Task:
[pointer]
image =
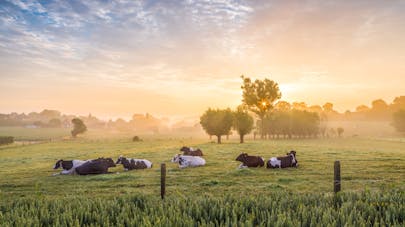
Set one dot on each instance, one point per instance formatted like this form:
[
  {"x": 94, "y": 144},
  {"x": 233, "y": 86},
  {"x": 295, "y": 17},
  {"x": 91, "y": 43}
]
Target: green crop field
[{"x": 368, "y": 166}]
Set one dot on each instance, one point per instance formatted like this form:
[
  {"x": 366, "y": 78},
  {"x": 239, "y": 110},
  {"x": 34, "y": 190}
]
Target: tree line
[
  {"x": 282, "y": 119},
  {"x": 143, "y": 123}
]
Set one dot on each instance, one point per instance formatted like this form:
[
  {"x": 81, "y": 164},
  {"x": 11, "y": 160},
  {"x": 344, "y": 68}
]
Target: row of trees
[
  {"x": 287, "y": 124},
  {"x": 399, "y": 120},
  {"x": 379, "y": 110},
  {"x": 293, "y": 123},
  {"x": 218, "y": 122},
  {"x": 259, "y": 98},
  {"x": 284, "y": 119}
]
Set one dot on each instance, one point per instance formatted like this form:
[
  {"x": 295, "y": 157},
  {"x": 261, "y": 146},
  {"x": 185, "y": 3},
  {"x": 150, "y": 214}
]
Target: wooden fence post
[
  {"x": 336, "y": 181},
  {"x": 162, "y": 180}
]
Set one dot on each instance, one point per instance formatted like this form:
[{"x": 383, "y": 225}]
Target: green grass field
[
  {"x": 376, "y": 165},
  {"x": 365, "y": 163}
]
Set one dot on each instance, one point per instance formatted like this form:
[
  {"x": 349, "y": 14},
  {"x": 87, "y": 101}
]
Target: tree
[
  {"x": 49, "y": 114},
  {"x": 282, "y": 106},
  {"x": 379, "y": 110},
  {"x": 399, "y": 120},
  {"x": 315, "y": 108},
  {"x": 78, "y": 127},
  {"x": 243, "y": 123},
  {"x": 299, "y": 106},
  {"x": 217, "y": 122},
  {"x": 328, "y": 107},
  {"x": 362, "y": 109},
  {"x": 259, "y": 97},
  {"x": 340, "y": 131},
  {"x": 398, "y": 103}
]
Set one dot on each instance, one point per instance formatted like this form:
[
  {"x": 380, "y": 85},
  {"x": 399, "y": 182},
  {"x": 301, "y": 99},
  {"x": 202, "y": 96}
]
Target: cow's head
[
  {"x": 294, "y": 159},
  {"x": 120, "y": 160},
  {"x": 176, "y": 158},
  {"x": 242, "y": 157},
  {"x": 109, "y": 162},
  {"x": 185, "y": 149},
  {"x": 58, "y": 164}
]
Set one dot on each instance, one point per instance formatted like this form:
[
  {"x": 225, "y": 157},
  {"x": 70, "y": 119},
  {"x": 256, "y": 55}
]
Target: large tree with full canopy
[
  {"x": 217, "y": 122},
  {"x": 243, "y": 122},
  {"x": 78, "y": 127},
  {"x": 260, "y": 96}
]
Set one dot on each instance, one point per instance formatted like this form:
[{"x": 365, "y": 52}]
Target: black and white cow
[
  {"x": 283, "y": 162},
  {"x": 96, "y": 166},
  {"x": 191, "y": 151},
  {"x": 68, "y": 166},
  {"x": 132, "y": 163},
  {"x": 250, "y": 161},
  {"x": 188, "y": 161}
]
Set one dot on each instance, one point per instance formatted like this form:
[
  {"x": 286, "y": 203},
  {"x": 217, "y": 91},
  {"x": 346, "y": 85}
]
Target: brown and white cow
[
  {"x": 191, "y": 151},
  {"x": 132, "y": 163},
  {"x": 250, "y": 161},
  {"x": 96, "y": 166},
  {"x": 283, "y": 162}
]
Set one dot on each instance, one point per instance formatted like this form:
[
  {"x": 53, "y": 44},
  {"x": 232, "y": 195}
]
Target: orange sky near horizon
[{"x": 179, "y": 58}]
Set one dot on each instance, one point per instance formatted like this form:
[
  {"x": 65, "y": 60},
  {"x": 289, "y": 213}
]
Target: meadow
[{"x": 368, "y": 165}]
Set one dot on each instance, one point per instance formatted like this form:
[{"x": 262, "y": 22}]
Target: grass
[
  {"x": 366, "y": 164},
  {"x": 218, "y": 194},
  {"x": 277, "y": 209}
]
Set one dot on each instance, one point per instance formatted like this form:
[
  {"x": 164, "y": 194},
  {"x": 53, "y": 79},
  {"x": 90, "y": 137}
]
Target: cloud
[{"x": 200, "y": 47}]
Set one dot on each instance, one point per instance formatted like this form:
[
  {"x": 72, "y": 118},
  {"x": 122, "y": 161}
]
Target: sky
[{"x": 177, "y": 58}]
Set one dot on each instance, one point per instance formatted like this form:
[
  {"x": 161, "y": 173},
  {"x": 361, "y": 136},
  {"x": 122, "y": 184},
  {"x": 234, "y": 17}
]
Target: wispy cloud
[{"x": 200, "y": 47}]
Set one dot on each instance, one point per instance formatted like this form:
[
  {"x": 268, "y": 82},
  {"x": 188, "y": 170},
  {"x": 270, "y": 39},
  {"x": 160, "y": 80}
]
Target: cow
[
  {"x": 250, "y": 161},
  {"x": 188, "y": 161},
  {"x": 131, "y": 163},
  {"x": 191, "y": 151},
  {"x": 68, "y": 166},
  {"x": 96, "y": 166},
  {"x": 289, "y": 160}
]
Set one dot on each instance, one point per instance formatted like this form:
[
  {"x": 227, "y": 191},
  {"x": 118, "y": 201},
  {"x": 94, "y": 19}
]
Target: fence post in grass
[
  {"x": 336, "y": 181},
  {"x": 162, "y": 180}
]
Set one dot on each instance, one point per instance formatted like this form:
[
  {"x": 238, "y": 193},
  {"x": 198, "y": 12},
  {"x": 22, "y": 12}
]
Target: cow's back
[
  {"x": 92, "y": 167},
  {"x": 254, "y": 161}
]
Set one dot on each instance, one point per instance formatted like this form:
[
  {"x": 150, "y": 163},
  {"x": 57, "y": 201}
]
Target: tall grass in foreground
[{"x": 278, "y": 209}]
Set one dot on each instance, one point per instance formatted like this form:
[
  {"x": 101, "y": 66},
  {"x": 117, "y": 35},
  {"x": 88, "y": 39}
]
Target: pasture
[
  {"x": 366, "y": 164},
  {"x": 373, "y": 173}
]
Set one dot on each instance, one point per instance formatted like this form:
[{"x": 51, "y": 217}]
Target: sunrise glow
[{"x": 171, "y": 58}]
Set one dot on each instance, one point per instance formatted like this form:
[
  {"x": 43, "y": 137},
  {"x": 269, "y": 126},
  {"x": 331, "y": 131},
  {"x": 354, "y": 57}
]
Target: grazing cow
[
  {"x": 68, "y": 166},
  {"x": 96, "y": 166},
  {"x": 283, "y": 162},
  {"x": 131, "y": 163},
  {"x": 188, "y": 161},
  {"x": 191, "y": 151},
  {"x": 250, "y": 161}
]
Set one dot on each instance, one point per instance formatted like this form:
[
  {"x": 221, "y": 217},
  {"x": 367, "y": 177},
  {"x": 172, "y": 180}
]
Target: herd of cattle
[{"x": 190, "y": 158}]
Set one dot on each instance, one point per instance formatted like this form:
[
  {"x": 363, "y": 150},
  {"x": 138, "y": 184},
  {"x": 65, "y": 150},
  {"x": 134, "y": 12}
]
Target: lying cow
[
  {"x": 131, "y": 163},
  {"x": 250, "y": 161},
  {"x": 68, "y": 166},
  {"x": 188, "y": 161},
  {"x": 96, "y": 166},
  {"x": 283, "y": 162},
  {"x": 191, "y": 151}
]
